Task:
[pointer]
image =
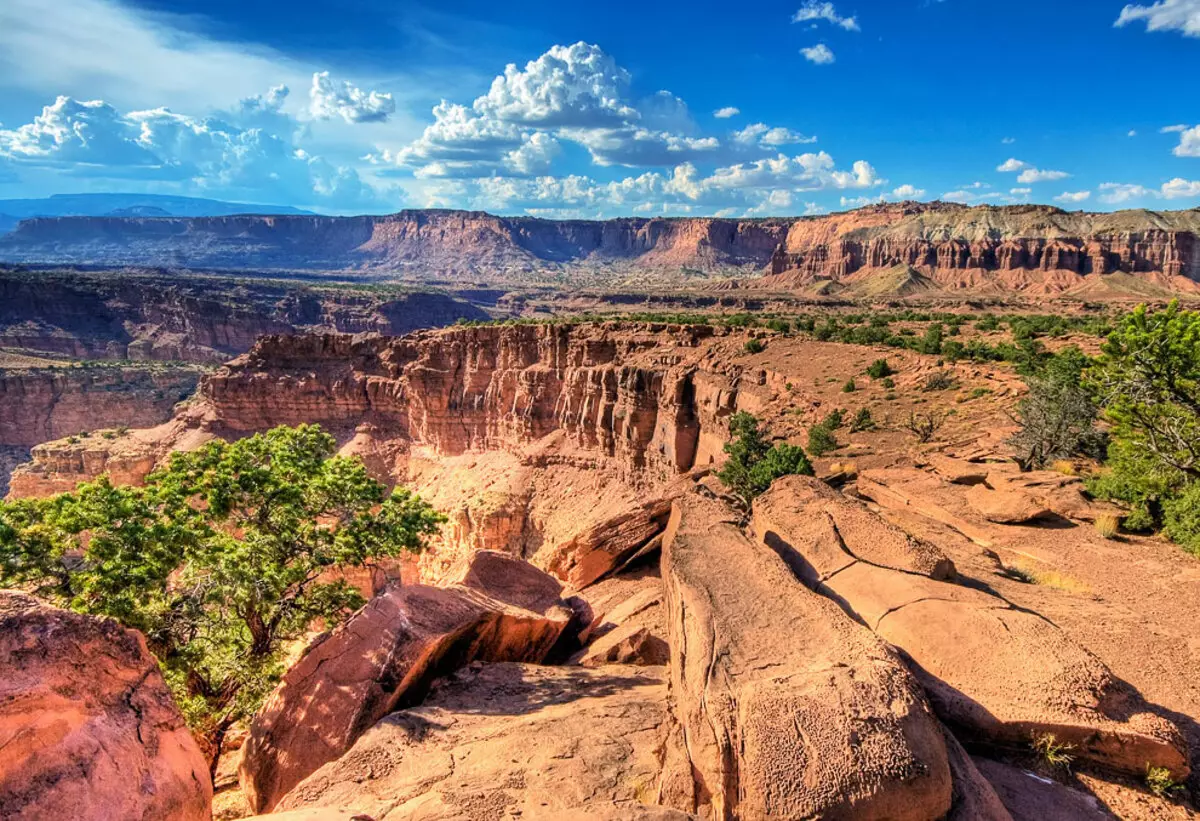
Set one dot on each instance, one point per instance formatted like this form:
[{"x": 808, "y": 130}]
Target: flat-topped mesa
[
  {"x": 623, "y": 390},
  {"x": 938, "y": 239}
]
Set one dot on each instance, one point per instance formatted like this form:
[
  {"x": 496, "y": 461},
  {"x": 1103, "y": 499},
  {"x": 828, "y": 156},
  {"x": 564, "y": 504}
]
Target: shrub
[
  {"x": 1160, "y": 782},
  {"x": 879, "y": 369},
  {"x": 1181, "y": 519},
  {"x": 753, "y": 464},
  {"x": 755, "y": 346},
  {"x": 834, "y": 419},
  {"x": 988, "y": 323},
  {"x": 931, "y": 343},
  {"x": 1108, "y": 525},
  {"x": 939, "y": 381},
  {"x": 926, "y": 424},
  {"x": 849, "y": 386},
  {"x": 1052, "y": 753},
  {"x": 821, "y": 440},
  {"x": 862, "y": 421},
  {"x": 1058, "y": 416},
  {"x": 888, "y": 382}
]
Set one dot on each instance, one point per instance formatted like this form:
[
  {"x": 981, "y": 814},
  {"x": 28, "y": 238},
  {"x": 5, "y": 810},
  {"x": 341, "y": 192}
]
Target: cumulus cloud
[
  {"x": 1172, "y": 129},
  {"x": 727, "y": 112},
  {"x": 1012, "y": 164},
  {"x": 1180, "y": 188},
  {"x": 214, "y": 154},
  {"x": 1113, "y": 192},
  {"x": 329, "y": 99},
  {"x": 1032, "y": 175},
  {"x": 765, "y": 135},
  {"x": 819, "y": 54},
  {"x": 1132, "y": 133},
  {"x": 1008, "y": 140},
  {"x": 635, "y": 146},
  {"x": 1073, "y": 196},
  {"x": 908, "y": 192},
  {"x": 1165, "y": 15},
  {"x": 1021, "y": 192},
  {"x": 814, "y": 12},
  {"x": 1189, "y": 143}
]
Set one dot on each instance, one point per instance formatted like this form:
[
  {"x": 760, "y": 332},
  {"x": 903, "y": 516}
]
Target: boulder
[
  {"x": 993, "y": 672},
  {"x": 789, "y": 708},
  {"x": 1031, "y": 797},
  {"x": 629, "y": 626},
  {"x": 605, "y": 546},
  {"x": 907, "y": 490},
  {"x": 1005, "y": 506},
  {"x": 508, "y": 741},
  {"x": 88, "y": 729},
  {"x": 974, "y": 799},
  {"x": 384, "y": 657}
]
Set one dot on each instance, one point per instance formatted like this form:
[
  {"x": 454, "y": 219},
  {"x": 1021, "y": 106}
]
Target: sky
[{"x": 595, "y": 110}]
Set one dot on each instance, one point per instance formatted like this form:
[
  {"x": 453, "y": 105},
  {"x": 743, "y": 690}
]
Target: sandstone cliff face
[
  {"x": 197, "y": 319},
  {"x": 41, "y": 404},
  {"x": 941, "y": 240}
]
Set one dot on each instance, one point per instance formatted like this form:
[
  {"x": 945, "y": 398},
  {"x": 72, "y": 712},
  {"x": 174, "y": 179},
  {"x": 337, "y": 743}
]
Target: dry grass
[
  {"x": 1046, "y": 578},
  {"x": 1065, "y": 467},
  {"x": 1108, "y": 525}
]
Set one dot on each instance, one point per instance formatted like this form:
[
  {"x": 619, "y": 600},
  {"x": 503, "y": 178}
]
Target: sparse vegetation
[
  {"x": 755, "y": 346},
  {"x": 1058, "y": 416},
  {"x": 888, "y": 382},
  {"x": 849, "y": 386},
  {"x": 939, "y": 381},
  {"x": 1160, "y": 782},
  {"x": 925, "y": 424},
  {"x": 1053, "y": 754},
  {"x": 879, "y": 369},
  {"x": 862, "y": 421},
  {"x": 821, "y": 439},
  {"x": 219, "y": 559},
  {"x": 1108, "y": 525},
  {"x": 753, "y": 464}
]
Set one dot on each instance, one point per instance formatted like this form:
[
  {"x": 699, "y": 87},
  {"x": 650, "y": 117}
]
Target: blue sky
[{"x": 603, "y": 109}]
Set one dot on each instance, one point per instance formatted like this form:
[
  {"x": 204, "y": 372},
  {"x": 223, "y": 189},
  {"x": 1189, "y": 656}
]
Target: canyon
[
  {"x": 598, "y": 632},
  {"x": 930, "y": 247}
]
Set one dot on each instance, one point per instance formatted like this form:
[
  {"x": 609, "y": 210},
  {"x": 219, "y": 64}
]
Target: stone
[
  {"x": 1007, "y": 506},
  {"x": 88, "y": 729},
  {"x": 511, "y": 740},
  {"x": 789, "y": 708},
  {"x": 1031, "y": 797},
  {"x": 384, "y": 656},
  {"x": 993, "y": 672}
]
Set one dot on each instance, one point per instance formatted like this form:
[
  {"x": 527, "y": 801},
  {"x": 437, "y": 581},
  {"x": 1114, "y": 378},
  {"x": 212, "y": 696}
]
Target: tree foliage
[
  {"x": 754, "y": 464},
  {"x": 1058, "y": 417},
  {"x": 222, "y": 557}
]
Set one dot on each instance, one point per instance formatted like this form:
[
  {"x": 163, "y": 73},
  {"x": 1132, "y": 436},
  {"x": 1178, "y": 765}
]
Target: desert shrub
[
  {"x": 834, "y": 419},
  {"x": 888, "y": 382},
  {"x": 862, "y": 421},
  {"x": 219, "y": 559},
  {"x": 780, "y": 325},
  {"x": 879, "y": 369},
  {"x": 755, "y": 346},
  {"x": 988, "y": 323},
  {"x": 821, "y": 440},
  {"x": 849, "y": 386},
  {"x": 925, "y": 424},
  {"x": 931, "y": 343},
  {"x": 1160, "y": 782},
  {"x": 1181, "y": 519},
  {"x": 1108, "y": 525},
  {"x": 1058, "y": 417},
  {"x": 939, "y": 381},
  {"x": 1053, "y": 753},
  {"x": 753, "y": 464}
]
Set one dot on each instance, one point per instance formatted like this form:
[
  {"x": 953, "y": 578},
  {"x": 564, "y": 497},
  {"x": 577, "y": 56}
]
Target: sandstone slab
[
  {"x": 88, "y": 729},
  {"x": 512, "y": 741},
  {"x": 992, "y": 671},
  {"x": 790, "y": 709},
  {"x": 383, "y": 657}
]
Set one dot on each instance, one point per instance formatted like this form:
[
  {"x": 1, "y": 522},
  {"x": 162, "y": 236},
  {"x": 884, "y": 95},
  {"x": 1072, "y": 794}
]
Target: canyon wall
[
  {"x": 940, "y": 240},
  {"x": 194, "y": 318}
]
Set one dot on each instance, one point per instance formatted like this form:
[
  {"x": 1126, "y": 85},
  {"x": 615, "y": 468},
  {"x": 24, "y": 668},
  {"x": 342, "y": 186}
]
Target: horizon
[{"x": 800, "y": 108}]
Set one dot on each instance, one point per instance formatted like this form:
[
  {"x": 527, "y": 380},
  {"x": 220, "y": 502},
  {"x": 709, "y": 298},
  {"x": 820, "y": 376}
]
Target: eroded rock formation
[{"x": 88, "y": 729}]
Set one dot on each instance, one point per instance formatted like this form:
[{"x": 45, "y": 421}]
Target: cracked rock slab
[
  {"x": 88, "y": 729},
  {"x": 993, "y": 672},
  {"x": 512, "y": 741},
  {"x": 384, "y": 657},
  {"x": 789, "y": 708}
]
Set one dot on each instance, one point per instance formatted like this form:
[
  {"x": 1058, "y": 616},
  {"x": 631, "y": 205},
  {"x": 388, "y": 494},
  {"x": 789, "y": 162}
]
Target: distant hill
[{"x": 129, "y": 205}]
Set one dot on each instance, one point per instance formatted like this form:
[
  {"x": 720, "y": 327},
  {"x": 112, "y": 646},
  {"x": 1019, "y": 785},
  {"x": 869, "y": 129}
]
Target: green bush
[
  {"x": 879, "y": 369},
  {"x": 939, "y": 381},
  {"x": 849, "y": 386},
  {"x": 821, "y": 440},
  {"x": 753, "y": 464},
  {"x": 862, "y": 421},
  {"x": 755, "y": 346},
  {"x": 1181, "y": 519},
  {"x": 834, "y": 419},
  {"x": 888, "y": 382}
]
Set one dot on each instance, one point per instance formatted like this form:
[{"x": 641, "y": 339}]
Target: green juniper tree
[
  {"x": 753, "y": 463},
  {"x": 223, "y": 556}
]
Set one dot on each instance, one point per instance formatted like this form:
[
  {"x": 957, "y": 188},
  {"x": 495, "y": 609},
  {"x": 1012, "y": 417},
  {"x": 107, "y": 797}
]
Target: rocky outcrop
[
  {"x": 41, "y": 404},
  {"x": 513, "y": 741},
  {"x": 384, "y": 657},
  {"x": 993, "y": 672},
  {"x": 205, "y": 319},
  {"x": 1010, "y": 248},
  {"x": 789, "y": 708},
  {"x": 88, "y": 729}
]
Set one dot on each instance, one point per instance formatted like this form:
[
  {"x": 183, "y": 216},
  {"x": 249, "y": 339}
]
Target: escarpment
[{"x": 985, "y": 248}]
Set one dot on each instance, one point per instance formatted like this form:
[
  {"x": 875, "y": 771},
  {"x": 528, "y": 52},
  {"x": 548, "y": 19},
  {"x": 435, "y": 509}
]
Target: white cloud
[
  {"x": 813, "y": 11},
  {"x": 1114, "y": 192},
  {"x": 1172, "y": 129},
  {"x": 1012, "y": 164},
  {"x": 1073, "y": 196},
  {"x": 1020, "y": 192},
  {"x": 1008, "y": 140},
  {"x": 1189, "y": 143},
  {"x": 213, "y": 155},
  {"x": 329, "y": 99},
  {"x": 908, "y": 192},
  {"x": 1132, "y": 133},
  {"x": 635, "y": 146},
  {"x": 569, "y": 86},
  {"x": 727, "y": 112},
  {"x": 959, "y": 196},
  {"x": 819, "y": 54},
  {"x": 764, "y": 135},
  {"x": 1165, "y": 15},
  {"x": 1180, "y": 188},
  {"x": 1032, "y": 175}
]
